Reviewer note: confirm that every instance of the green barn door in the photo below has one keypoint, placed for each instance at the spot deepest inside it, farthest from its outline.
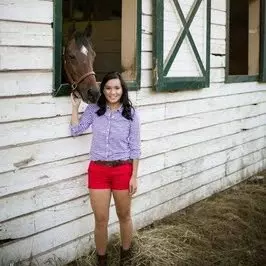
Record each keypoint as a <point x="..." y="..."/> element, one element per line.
<point x="181" y="44"/>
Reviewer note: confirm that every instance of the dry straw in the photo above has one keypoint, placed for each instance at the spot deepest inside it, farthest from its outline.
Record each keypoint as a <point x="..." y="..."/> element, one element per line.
<point x="226" y="229"/>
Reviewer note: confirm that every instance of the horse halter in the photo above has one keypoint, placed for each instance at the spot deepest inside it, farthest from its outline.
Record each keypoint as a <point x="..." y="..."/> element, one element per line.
<point x="74" y="83"/>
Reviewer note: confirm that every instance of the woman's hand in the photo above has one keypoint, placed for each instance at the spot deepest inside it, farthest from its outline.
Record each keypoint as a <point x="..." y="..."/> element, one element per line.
<point x="132" y="185"/>
<point x="75" y="101"/>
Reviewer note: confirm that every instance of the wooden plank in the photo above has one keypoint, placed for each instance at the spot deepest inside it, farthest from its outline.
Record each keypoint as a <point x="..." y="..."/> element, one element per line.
<point x="71" y="188"/>
<point x="43" y="197"/>
<point x="217" y="61"/>
<point x="29" y="131"/>
<point x="25" y="34"/>
<point x="45" y="152"/>
<point x="196" y="167"/>
<point x="219" y="5"/>
<point x="146" y="79"/>
<point x="211" y="104"/>
<point x="45" y="219"/>
<point x="200" y="193"/>
<point x="146" y="44"/>
<point x="56" y="215"/>
<point x="217" y="75"/>
<point x="42" y="175"/>
<point x="146" y="58"/>
<point x="129" y="37"/>
<point x="249" y="159"/>
<point x="53" y="194"/>
<point x="175" y="189"/>
<point x="244" y="142"/>
<point x="23" y="108"/>
<point x="218" y="17"/>
<point x="148" y="114"/>
<point x="254" y="36"/>
<point x="146" y="7"/>
<point x="174" y="126"/>
<point x="146" y="24"/>
<point x="218" y="46"/>
<point x="199" y="150"/>
<point x="146" y="96"/>
<point x="69" y="250"/>
<point x="177" y="125"/>
<point x="34" y="107"/>
<point x="218" y="31"/>
<point x="28" y="11"/>
<point x="26" y="83"/>
<point x="16" y="58"/>
<point x="17" y="133"/>
<point x="27" y="178"/>
<point x="78" y="228"/>
<point x="34" y="245"/>
<point x="183" y="139"/>
<point x="23" y="249"/>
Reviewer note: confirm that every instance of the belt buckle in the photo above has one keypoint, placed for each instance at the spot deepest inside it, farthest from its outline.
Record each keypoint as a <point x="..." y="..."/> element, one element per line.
<point x="111" y="163"/>
<point x="115" y="163"/>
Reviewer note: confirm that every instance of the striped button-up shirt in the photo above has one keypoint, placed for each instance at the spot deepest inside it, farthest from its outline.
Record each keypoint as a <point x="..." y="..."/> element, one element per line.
<point x="113" y="136"/>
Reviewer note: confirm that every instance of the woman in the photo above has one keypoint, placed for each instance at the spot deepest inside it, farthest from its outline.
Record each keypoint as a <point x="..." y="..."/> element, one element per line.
<point x="115" y="151"/>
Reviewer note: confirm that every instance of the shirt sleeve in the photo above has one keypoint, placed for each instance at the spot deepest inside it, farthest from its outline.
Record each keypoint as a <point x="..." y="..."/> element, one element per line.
<point x="84" y="122"/>
<point x="134" y="137"/>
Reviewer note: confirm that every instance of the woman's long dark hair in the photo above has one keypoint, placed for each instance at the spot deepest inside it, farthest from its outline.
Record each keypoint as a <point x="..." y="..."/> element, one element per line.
<point x="124" y="100"/>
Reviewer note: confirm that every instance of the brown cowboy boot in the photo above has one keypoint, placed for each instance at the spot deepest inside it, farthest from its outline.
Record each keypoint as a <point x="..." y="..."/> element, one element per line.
<point x="125" y="256"/>
<point x="101" y="260"/>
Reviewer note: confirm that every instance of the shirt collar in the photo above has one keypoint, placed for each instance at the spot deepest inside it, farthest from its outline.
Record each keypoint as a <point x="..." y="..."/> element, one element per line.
<point x="120" y="109"/>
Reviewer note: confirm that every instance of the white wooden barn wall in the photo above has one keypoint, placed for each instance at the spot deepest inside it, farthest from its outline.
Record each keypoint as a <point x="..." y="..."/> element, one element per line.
<point x="194" y="143"/>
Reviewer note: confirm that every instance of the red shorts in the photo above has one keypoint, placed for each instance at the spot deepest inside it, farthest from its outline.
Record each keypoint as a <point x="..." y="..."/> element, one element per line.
<point x="112" y="177"/>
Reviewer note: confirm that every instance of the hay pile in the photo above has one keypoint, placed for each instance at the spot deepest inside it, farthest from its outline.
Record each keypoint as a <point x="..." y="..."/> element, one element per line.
<point x="226" y="229"/>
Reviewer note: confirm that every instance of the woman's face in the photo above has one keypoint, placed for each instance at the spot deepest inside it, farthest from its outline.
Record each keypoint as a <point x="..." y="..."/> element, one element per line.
<point x="113" y="91"/>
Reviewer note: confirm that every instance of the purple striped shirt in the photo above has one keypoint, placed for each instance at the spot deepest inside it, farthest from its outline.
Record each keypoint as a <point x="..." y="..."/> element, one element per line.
<point x="113" y="136"/>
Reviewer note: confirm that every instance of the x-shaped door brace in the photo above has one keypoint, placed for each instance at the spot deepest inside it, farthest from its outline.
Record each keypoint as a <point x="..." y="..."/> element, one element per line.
<point x="185" y="32"/>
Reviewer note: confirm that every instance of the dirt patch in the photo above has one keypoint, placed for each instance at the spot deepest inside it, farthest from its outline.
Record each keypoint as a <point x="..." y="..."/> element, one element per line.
<point x="225" y="229"/>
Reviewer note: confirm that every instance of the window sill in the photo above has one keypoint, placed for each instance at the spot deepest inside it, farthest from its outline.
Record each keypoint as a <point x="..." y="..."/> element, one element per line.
<point x="241" y="78"/>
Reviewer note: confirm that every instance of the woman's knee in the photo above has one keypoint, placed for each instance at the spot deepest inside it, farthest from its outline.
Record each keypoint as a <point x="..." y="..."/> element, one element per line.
<point x="101" y="220"/>
<point x="124" y="216"/>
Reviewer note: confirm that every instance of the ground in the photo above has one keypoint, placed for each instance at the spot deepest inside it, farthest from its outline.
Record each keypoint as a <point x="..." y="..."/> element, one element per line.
<point x="225" y="229"/>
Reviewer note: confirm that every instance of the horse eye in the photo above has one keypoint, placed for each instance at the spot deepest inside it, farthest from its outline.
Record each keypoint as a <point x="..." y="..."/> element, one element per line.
<point x="71" y="56"/>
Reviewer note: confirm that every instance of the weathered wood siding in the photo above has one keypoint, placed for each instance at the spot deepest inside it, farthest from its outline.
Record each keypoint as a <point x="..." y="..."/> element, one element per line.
<point x="194" y="143"/>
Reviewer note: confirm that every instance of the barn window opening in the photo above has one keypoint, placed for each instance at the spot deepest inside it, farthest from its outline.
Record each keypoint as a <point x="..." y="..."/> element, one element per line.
<point x="116" y="37"/>
<point x="244" y="39"/>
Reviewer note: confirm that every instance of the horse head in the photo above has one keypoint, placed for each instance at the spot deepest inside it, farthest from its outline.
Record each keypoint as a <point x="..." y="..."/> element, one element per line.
<point x="78" y="63"/>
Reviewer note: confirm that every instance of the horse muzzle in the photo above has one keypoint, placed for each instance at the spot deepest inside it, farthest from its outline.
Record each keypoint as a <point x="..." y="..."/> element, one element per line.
<point x="93" y="94"/>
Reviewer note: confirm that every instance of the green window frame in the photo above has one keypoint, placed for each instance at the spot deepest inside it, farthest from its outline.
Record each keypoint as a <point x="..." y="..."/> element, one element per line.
<point x="161" y="68"/>
<point x="261" y="76"/>
<point x="63" y="89"/>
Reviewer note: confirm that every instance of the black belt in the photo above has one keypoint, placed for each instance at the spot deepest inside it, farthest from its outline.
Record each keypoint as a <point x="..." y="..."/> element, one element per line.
<point x="113" y="163"/>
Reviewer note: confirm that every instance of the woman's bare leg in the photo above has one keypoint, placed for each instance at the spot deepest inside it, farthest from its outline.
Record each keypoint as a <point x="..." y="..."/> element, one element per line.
<point x="123" y="209"/>
<point x="100" y="203"/>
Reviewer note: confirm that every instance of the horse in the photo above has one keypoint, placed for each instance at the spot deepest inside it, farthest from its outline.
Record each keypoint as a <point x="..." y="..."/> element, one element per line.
<point x="78" y="60"/>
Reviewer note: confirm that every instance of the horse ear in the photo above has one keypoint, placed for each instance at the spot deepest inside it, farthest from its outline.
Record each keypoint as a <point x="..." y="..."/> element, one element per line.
<point x="71" y="30"/>
<point x="88" y="30"/>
